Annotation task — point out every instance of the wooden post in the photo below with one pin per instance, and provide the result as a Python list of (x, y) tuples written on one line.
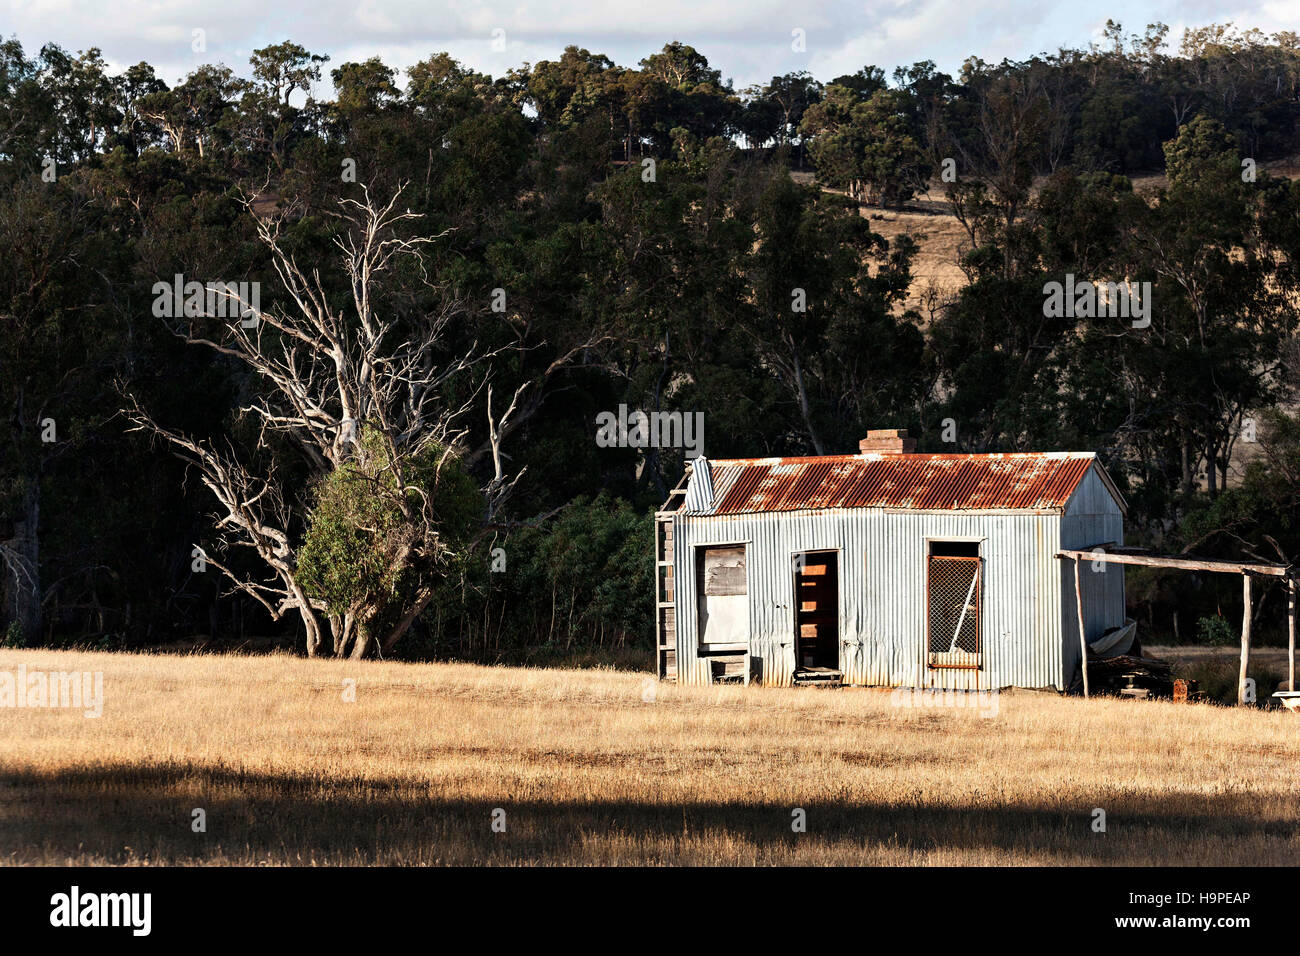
[(1245, 638), (1290, 633), (1083, 641)]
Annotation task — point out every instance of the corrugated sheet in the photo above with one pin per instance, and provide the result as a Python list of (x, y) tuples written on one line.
[(882, 594), (1090, 520), (878, 511), (699, 493), (1013, 482)]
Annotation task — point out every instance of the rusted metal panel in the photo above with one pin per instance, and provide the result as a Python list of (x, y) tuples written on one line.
[(1017, 482)]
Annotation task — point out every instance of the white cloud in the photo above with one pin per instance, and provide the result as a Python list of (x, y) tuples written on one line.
[(748, 40)]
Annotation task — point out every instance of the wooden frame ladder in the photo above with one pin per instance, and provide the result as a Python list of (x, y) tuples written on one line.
[(665, 590)]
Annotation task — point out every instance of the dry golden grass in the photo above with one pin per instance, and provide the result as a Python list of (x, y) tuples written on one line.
[(589, 772)]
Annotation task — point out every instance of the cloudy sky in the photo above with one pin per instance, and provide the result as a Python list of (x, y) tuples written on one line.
[(748, 40)]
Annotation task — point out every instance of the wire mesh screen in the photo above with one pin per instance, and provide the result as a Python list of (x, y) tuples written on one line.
[(954, 605)]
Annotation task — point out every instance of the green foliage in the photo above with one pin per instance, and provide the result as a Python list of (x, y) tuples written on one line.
[(583, 579), (596, 563), (1115, 123), (869, 142), (14, 635), (1202, 151), (673, 296), (362, 549), (1215, 631)]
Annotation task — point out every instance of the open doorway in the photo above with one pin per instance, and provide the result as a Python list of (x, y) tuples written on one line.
[(817, 610)]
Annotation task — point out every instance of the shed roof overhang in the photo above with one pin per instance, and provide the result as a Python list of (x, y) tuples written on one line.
[(1111, 554)]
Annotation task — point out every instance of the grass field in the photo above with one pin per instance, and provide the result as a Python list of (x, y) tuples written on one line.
[(608, 767)]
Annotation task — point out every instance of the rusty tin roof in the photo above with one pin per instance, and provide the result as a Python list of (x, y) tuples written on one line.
[(1029, 481)]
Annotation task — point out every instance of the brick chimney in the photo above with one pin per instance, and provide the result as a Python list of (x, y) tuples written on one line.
[(887, 441)]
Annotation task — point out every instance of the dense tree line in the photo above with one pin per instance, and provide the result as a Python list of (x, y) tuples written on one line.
[(606, 236)]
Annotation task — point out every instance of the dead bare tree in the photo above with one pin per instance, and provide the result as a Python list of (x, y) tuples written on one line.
[(354, 387)]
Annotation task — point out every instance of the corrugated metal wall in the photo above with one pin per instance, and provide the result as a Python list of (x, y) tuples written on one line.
[(1091, 518), (882, 593)]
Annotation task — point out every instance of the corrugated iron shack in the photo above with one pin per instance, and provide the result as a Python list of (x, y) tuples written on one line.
[(886, 568)]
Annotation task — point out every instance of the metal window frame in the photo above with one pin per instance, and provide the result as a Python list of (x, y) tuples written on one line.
[(978, 654)]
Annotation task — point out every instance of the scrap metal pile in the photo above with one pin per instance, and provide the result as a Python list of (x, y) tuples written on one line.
[(1117, 667), (1127, 676)]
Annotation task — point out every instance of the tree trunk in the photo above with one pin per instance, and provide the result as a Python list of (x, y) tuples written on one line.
[(1245, 640), (1212, 470), (342, 630), (364, 641), (804, 409), (309, 621), (23, 578), (401, 627)]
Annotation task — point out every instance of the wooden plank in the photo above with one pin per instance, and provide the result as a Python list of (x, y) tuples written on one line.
[(1186, 564), (1291, 634), (725, 580), (1083, 641), (724, 571), (661, 666), (1245, 638)]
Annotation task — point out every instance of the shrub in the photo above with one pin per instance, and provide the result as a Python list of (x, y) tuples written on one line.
[(583, 580), (1215, 631), (363, 554)]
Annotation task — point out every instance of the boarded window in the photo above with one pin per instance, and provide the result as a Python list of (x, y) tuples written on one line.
[(953, 598), (723, 605), (724, 570)]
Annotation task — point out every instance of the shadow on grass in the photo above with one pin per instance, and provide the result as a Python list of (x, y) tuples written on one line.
[(131, 813)]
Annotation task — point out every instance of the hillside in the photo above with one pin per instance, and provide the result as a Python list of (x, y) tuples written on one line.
[(942, 240)]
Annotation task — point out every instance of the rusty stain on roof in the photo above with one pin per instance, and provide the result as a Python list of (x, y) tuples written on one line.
[(1015, 481)]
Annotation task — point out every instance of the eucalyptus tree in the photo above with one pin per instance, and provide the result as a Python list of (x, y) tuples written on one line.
[(373, 397)]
